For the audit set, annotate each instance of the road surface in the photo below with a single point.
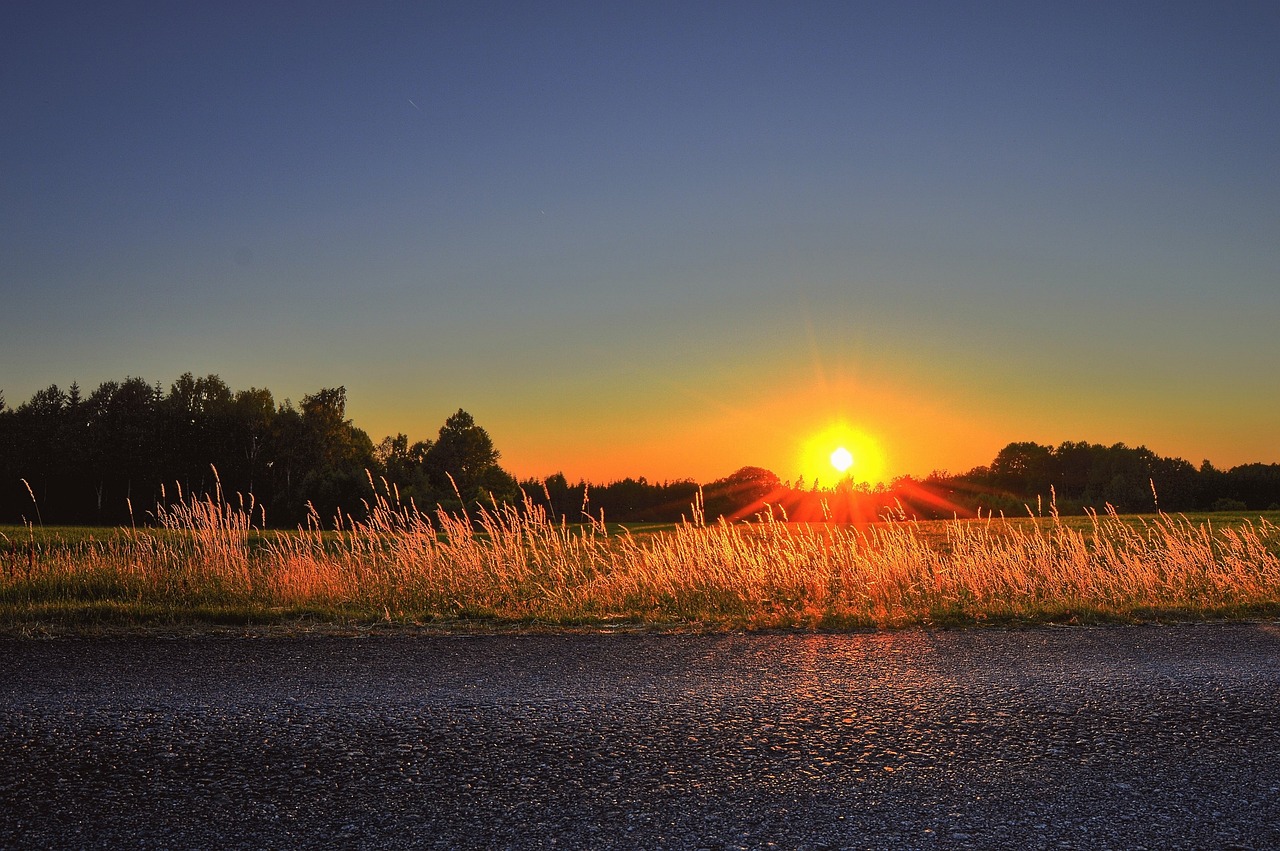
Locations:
(1137, 737)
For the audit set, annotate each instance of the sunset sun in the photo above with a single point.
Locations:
(841, 452)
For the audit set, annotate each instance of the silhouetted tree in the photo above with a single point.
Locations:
(1025, 468)
(404, 465)
(124, 457)
(252, 413)
(36, 425)
(336, 455)
(197, 425)
(1213, 484)
(562, 500)
(463, 457)
(743, 492)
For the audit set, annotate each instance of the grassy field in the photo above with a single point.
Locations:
(204, 565)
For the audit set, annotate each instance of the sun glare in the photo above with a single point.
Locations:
(841, 452)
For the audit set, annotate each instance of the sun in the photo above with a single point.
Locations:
(841, 452)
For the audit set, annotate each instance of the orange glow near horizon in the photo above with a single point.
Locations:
(782, 420)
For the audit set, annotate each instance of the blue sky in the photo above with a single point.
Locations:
(661, 239)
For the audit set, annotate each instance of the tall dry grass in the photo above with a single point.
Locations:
(204, 559)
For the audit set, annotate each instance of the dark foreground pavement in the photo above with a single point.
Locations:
(1149, 737)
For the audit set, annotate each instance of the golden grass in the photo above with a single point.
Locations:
(205, 561)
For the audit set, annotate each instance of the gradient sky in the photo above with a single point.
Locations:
(661, 240)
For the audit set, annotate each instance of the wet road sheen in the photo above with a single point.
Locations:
(1149, 737)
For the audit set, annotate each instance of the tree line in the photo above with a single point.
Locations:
(112, 456)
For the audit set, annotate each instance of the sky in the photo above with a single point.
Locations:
(663, 239)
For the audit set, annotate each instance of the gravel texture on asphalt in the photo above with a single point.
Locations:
(1141, 737)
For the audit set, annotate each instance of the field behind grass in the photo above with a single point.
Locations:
(203, 564)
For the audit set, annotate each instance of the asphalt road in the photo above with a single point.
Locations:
(1151, 737)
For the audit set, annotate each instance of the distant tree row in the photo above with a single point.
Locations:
(1091, 475)
(1023, 478)
(111, 457)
